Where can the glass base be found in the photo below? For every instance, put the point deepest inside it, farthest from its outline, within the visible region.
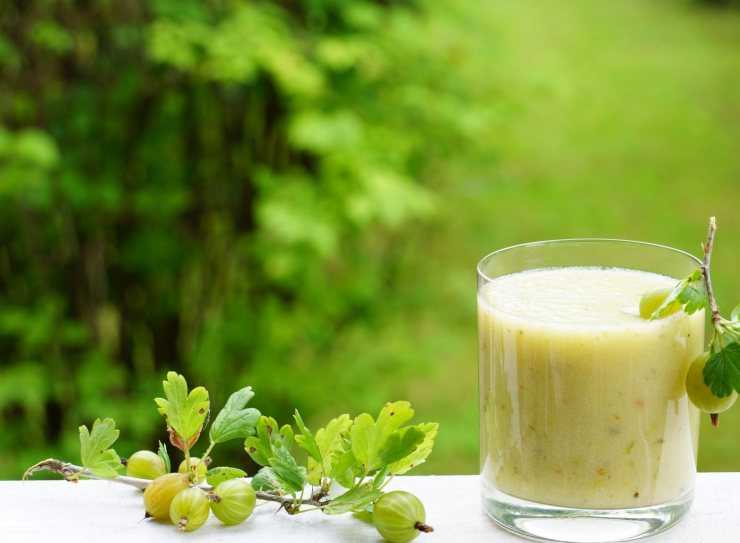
(542, 522)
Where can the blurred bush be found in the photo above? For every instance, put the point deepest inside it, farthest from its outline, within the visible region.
(217, 187)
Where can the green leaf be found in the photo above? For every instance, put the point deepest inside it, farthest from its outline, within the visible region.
(400, 444)
(261, 447)
(689, 293)
(365, 515)
(422, 451)
(234, 421)
(368, 436)
(379, 478)
(185, 412)
(329, 440)
(267, 480)
(164, 455)
(95, 452)
(357, 499)
(291, 476)
(722, 372)
(344, 467)
(693, 296)
(305, 439)
(223, 473)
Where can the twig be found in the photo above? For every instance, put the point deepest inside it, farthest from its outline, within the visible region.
(72, 472)
(705, 271)
(714, 308)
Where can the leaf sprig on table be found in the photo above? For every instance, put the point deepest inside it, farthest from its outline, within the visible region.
(346, 465)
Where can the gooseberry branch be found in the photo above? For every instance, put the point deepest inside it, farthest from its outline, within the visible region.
(707, 247)
(72, 472)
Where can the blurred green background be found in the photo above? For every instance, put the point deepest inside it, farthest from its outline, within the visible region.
(294, 194)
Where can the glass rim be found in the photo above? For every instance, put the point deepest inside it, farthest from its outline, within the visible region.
(527, 244)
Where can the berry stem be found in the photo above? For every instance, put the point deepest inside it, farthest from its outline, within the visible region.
(423, 527)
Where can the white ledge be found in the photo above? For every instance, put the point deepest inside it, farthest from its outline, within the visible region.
(101, 511)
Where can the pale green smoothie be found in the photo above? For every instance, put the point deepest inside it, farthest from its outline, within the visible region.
(583, 401)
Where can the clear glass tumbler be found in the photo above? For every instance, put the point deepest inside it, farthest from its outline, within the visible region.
(591, 440)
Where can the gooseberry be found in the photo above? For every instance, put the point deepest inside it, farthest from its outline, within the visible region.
(653, 299)
(700, 394)
(233, 501)
(198, 468)
(189, 509)
(145, 465)
(399, 517)
(159, 494)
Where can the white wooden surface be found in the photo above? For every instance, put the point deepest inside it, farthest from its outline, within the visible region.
(100, 511)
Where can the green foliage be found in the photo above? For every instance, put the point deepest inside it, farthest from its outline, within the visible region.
(722, 372)
(689, 293)
(329, 441)
(223, 473)
(235, 421)
(219, 187)
(95, 448)
(355, 500)
(184, 411)
(165, 456)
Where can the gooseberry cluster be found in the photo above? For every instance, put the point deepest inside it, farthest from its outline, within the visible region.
(171, 497)
(359, 454)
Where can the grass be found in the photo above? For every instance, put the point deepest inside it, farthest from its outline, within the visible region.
(615, 119)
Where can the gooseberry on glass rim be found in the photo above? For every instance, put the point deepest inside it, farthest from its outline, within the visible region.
(653, 299)
(399, 517)
(145, 465)
(189, 509)
(700, 394)
(233, 501)
(161, 491)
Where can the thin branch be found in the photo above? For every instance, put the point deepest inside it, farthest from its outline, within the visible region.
(705, 271)
(72, 472)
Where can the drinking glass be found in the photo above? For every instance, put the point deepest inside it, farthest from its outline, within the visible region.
(588, 441)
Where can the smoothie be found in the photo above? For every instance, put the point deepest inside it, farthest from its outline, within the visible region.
(583, 402)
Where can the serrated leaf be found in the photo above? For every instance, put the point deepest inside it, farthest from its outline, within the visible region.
(722, 372)
(689, 292)
(400, 444)
(261, 447)
(368, 436)
(329, 440)
(165, 456)
(422, 451)
(693, 297)
(185, 412)
(292, 477)
(223, 473)
(357, 499)
(305, 439)
(267, 481)
(366, 515)
(286, 436)
(96, 454)
(344, 466)
(235, 421)
(379, 478)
